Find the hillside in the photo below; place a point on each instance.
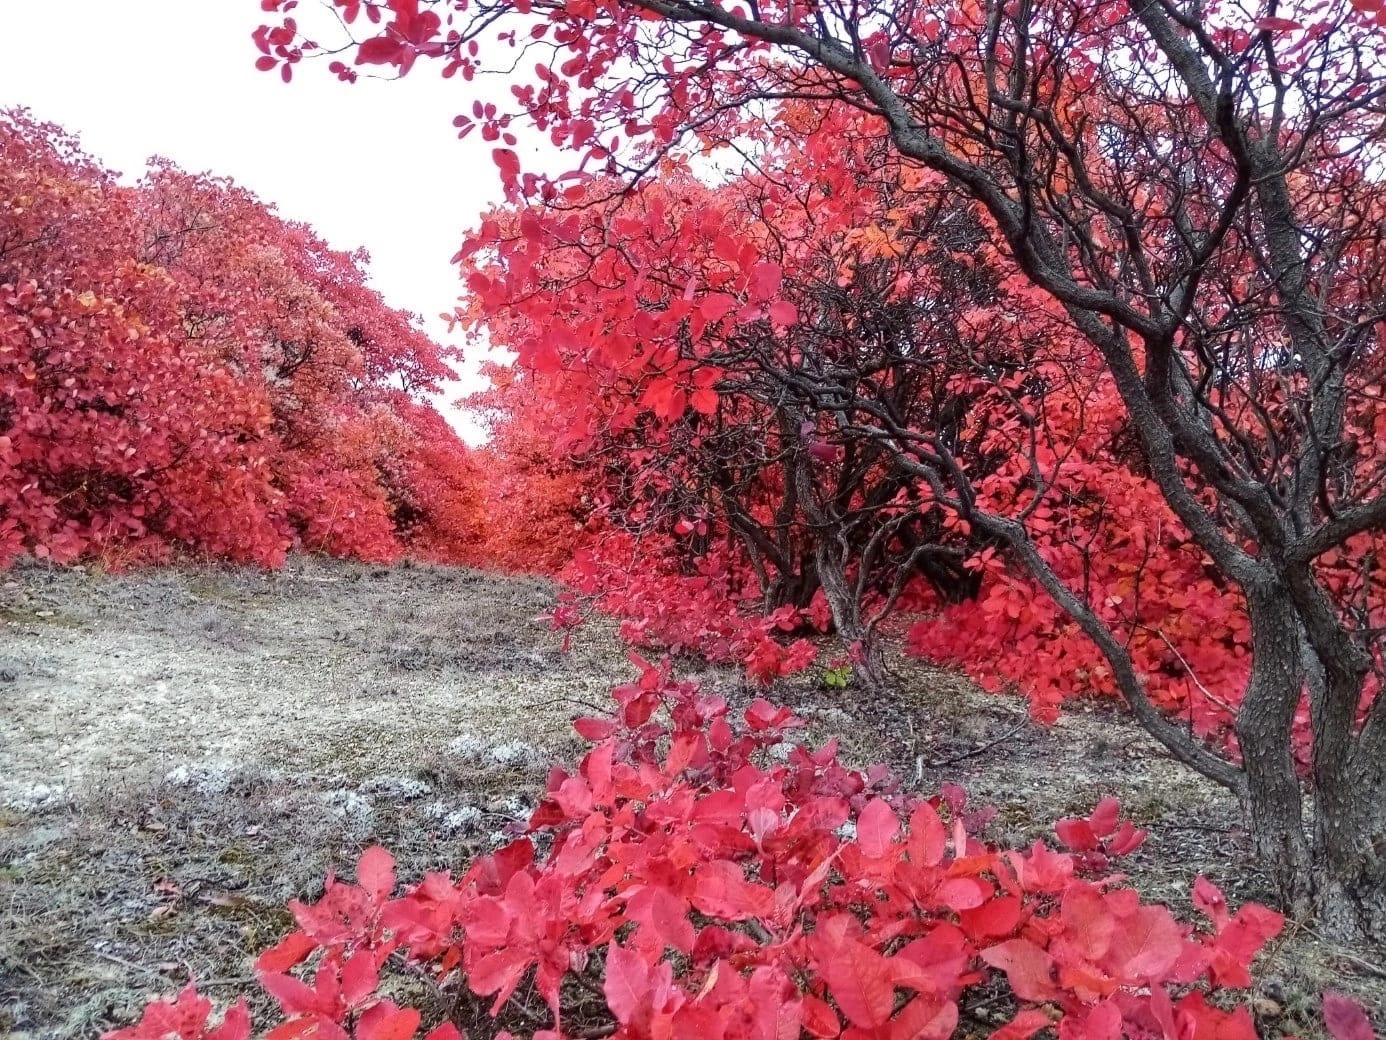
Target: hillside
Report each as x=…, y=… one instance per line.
x=188, y=749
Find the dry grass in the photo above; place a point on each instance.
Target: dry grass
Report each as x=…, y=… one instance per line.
x=186, y=750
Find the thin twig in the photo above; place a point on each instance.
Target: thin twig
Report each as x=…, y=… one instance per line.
x=979, y=750
x=127, y=964
x=600, y=709
x=1375, y=970
x=1209, y=694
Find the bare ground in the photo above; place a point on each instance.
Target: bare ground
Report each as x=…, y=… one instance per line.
x=181, y=751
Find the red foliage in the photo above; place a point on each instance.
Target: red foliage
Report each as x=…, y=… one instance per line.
x=537, y=500
x=182, y=370
x=683, y=881
x=966, y=288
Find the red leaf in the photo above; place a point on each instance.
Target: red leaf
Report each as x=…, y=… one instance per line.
x=783, y=313
x=379, y=51
x=1278, y=24
x=993, y=919
x=627, y=982
x=820, y=1019
x=876, y=828
x=1028, y=968
x=499, y=973
x=1076, y=835
x=311, y=1027
x=1088, y=922
x=704, y=401
x=507, y=162
x=715, y=306
x=1145, y=944
x=766, y=279
x=859, y=982
x=1104, y=817
x=1344, y=1018
x=285, y=954
x=723, y=891
x=360, y=978
x=236, y=1024
x=928, y=839
x=386, y=1021
x=376, y=873
x=593, y=729
x=294, y=996
x=1025, y=1025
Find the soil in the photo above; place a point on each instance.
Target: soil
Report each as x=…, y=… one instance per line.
x=183, y=750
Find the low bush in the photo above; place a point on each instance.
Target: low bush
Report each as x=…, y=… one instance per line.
x=700, y=875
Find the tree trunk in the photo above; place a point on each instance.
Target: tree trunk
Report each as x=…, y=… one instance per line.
x=1334, y=872
x=868, y=664
x=1274, y=797
x=793, y=589
x=1350, y=864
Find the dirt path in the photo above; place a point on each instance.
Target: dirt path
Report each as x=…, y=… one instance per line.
x=181, y=751
x=323, y=667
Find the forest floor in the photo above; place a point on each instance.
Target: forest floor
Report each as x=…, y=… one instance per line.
x=184, y=750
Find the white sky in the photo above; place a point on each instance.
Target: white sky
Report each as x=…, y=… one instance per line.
x=375, y=164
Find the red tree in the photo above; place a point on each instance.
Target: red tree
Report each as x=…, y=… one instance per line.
x=1189, y=189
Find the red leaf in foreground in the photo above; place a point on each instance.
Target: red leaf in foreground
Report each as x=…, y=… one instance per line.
x=1028, y=968
x=1076, y=834
x=376, y=873
x=876, y=828
x=859, y=982
x=236, y=1024
x=386, y=1021
x=627, y=982
x=1345, y=1019
x=1025, y=1025
x=283, y=955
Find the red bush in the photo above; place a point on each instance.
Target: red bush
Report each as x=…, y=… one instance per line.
x=182, y=370
x=685, y=881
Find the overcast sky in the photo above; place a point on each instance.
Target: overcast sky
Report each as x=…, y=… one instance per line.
x=375, y=164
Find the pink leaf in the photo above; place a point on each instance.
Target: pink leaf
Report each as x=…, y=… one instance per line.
x=1104, y=817
x=782, y=312
x=1345, y=1019
x=715, y=306
x=627, y=982
x=1076, y=835
x=876, y=828
x=1028, y=968
x=766, y=279
x=594, y=729
x=376, y=873
x=385, y=1021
